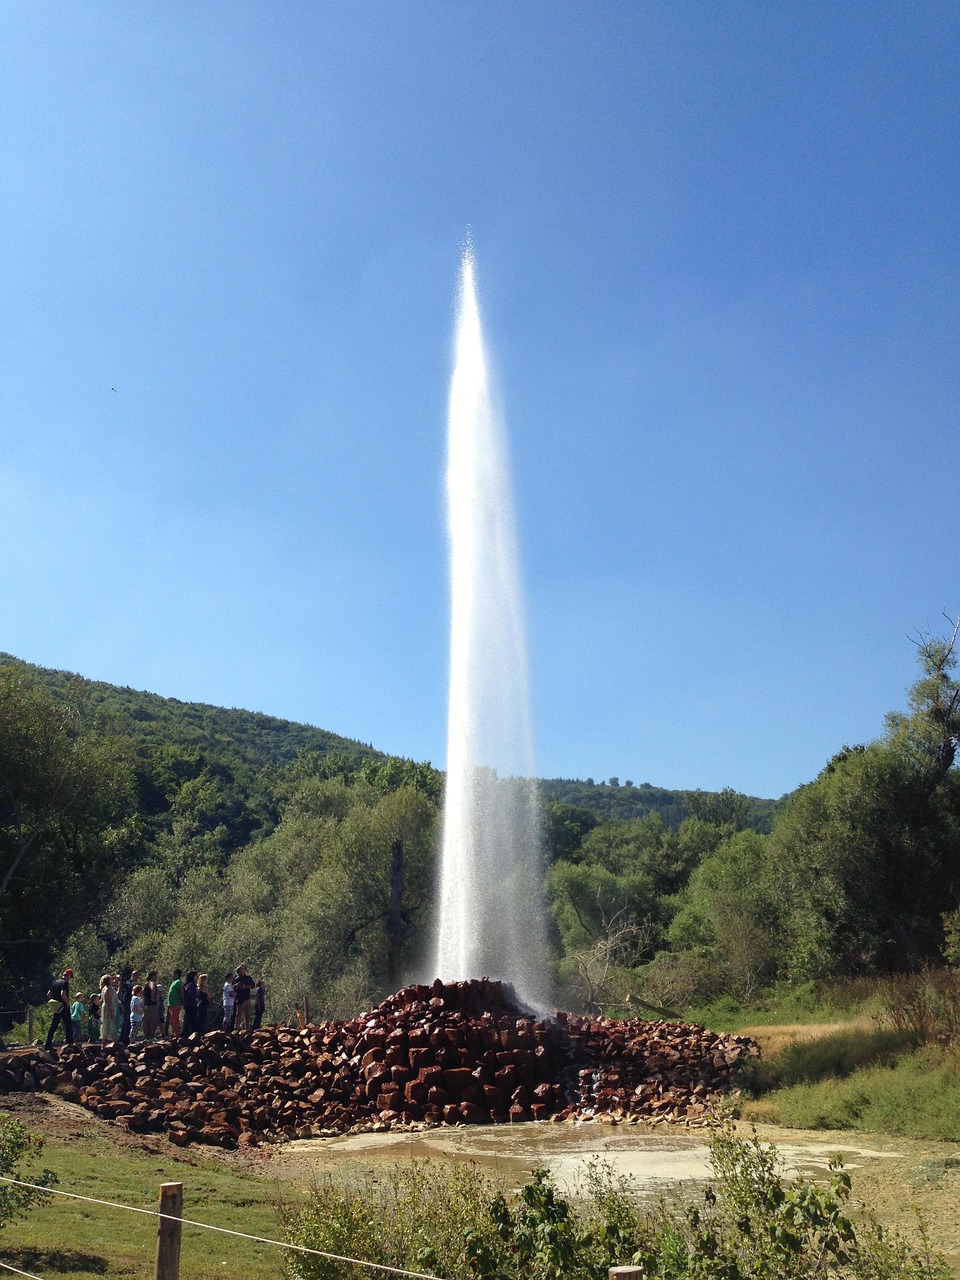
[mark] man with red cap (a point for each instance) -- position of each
(59, 993)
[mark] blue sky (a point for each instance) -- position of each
(717, 255)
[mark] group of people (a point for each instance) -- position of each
(125, 1009)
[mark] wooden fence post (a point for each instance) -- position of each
(168, 1232)
(30, 1026)
(626, 1273)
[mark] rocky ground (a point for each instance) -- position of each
(460, 1053)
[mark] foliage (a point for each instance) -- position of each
(925, 1006)
(833, 1055)
(951, 937)
(730, 908)
(611, 802)
(67, 820)
(19, 1147)
(420, 1216)
(751, 1222)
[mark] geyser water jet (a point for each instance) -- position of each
(491, 921)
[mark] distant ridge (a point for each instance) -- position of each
(258, 740)
(152, 720)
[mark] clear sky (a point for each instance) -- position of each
(717, 252)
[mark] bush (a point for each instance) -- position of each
(924, 1006)
(751, 1222)
(18, 1144)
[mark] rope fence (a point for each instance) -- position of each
(5, 1266)
(226, 1231)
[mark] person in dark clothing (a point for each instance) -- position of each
(242, 993)
(191, 1002)
(151, 1006)
(203, 1002)
(60, 992)
(259, 1004)
(126, 995)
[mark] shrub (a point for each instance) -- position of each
(18, 1145)
(924, 1006)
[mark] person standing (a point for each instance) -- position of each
(93, 1018)
(136, 1012)
(76, 1016)
(228, 1005)
(190, 1002)
(117, 985)
(243, 997)
(259, 1004)
(108, 1009)
(59, 995)
(126, 995)
(151, 1010)
(175, 1003)
(203, 1003)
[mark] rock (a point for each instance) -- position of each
(456, 1053)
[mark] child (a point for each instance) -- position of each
(136, 1012)
(93, 1018)
(76, 1017)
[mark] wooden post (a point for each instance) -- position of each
(30, 1026)
(626, 1273)
(168, 1232)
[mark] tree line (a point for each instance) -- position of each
(138, 830)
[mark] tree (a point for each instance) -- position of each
(67, 818)
(868, 855)
(726, 808)
(730, 910)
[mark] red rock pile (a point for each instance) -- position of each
(447, 1054)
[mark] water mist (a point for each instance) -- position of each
(491, 903)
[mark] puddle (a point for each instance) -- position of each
(654, 1158)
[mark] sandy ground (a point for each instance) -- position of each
(896, 1178)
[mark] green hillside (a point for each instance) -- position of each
(151, 720)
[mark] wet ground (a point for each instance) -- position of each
(655, 1158)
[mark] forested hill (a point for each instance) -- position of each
(256, 740)
(154, 721)
(614, 801)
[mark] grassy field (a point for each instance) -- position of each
(83, 1241)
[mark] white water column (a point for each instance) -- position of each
(491, 920)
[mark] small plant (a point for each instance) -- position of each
(951, 938)
(18, 1145)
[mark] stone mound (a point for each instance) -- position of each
(455, 1053)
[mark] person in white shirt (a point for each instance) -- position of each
(229, 1006)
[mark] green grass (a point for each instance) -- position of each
(809, 1003)
(70, 1238)
(831, 1056)
(895, 1068)
(915, 1094)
